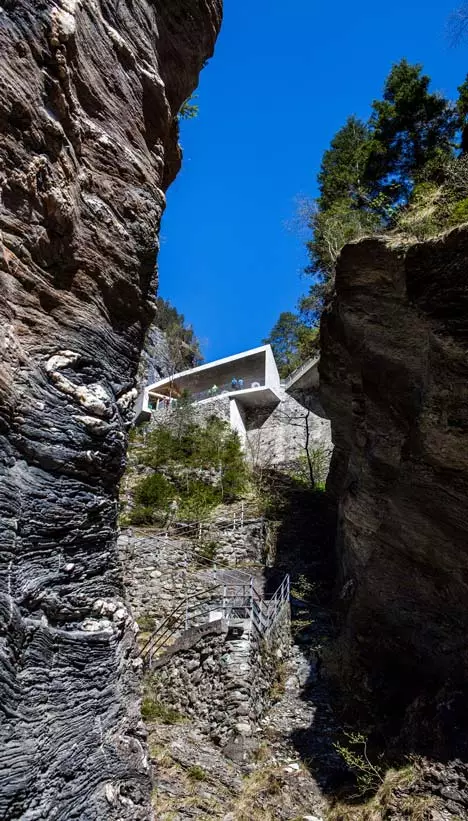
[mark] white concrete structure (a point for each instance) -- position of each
(248, 380)
(275, 420)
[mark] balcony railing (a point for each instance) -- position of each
(227, 387)
(163, 402)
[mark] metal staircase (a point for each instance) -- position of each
(234, 603)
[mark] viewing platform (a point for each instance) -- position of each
(247, 380)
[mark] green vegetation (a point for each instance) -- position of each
(304, 589)
(369, 174)
(146, 622)
(154, 710)
(196, 773)
(397, 789)
(194, 468)
(154, 492)
(207, 552)
(189, 110)
(293, 339)
(402, 172)
(369, 775)
(184, 348)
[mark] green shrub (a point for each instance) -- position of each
(161, 448)
(140, 515)
(198, 499)
(154, 492)
(369, 775)
(207, 551)
(196, 773)
(184, 447)
(459, 212)
(146, 622)
(304, 589)
(233, 470)
(154, 710)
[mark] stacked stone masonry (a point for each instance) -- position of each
(161, 571)
(224, 682)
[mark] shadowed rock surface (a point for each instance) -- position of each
(394, 383)
(90, 90)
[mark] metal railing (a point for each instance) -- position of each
(231, 602)
(265, 612)
(171, 624)
(161, 402)
(197, 528)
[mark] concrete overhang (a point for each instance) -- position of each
(215, 370)
(304, 378)
(262, 397)
(257, 397)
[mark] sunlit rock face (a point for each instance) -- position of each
(394, 381)
(89, 93)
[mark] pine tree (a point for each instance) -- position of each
(344, 164)
(283, 339)
(462, 110)
(413, 132)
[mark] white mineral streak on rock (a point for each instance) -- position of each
(103, 212)
(63, 18)
(127, 399)
(111, 794)
(93, 423)
(114, 610)
(61, 360)
(97, 625)
(118, 39)
(92, 397)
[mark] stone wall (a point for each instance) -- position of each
(160, 571)
(221, 681)
(200, 413)
(280, 436)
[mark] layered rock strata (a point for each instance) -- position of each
(394, 381)
(90, 90)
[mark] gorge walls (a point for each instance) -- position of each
(90, 90)
(394, 381)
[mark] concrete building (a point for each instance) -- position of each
(276, 420)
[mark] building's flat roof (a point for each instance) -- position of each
(208, 365)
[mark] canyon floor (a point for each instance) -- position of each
(292, 764)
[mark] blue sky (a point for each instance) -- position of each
(283, 80)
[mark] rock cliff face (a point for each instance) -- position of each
(394, 381)
(90, 90)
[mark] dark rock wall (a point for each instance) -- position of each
(394, 383)
(89, 91)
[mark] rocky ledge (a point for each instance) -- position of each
(90, 91)
(394, 377)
